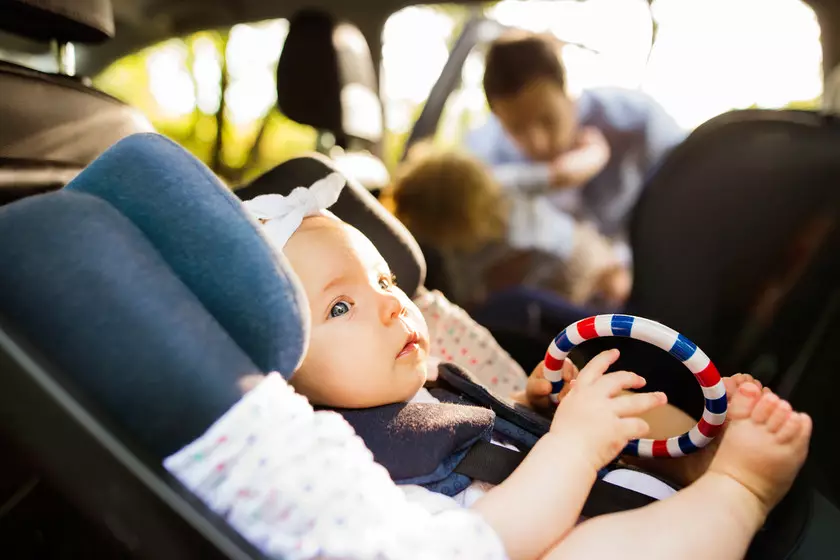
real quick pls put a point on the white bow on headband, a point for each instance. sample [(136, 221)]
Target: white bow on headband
[(282, 215)]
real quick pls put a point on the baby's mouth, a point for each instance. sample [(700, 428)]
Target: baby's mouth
[(412, 344)]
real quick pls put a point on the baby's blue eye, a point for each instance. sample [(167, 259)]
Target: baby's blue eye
[(339, 309)]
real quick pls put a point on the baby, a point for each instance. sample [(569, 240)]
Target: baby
[(369, 346), (492, 238)]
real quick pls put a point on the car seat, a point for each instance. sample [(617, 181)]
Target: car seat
[(55, 124), (117, 349), (326, 79)]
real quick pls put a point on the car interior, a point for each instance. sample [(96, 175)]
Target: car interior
[(754, 282)]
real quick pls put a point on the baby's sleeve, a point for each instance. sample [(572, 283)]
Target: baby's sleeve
[(300, 484)]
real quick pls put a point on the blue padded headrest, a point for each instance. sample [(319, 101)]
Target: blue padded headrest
[(203, 233), (85, 287)]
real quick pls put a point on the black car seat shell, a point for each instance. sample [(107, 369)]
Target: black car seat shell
[(714, 221), (713, 225), (52, 124)]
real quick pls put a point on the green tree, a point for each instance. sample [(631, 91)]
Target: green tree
[(234, 151)]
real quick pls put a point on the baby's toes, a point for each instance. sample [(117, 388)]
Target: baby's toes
[(778, 417), (732, 383), (792, 427), (807, 426), (743, 401), (765, 407), (746, 377)]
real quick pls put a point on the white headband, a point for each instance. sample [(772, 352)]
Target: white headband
[(282, 215)]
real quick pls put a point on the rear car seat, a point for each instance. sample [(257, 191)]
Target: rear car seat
[(55, 124)]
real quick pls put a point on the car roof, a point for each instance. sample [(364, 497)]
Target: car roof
[(144, 22), (140, 23)]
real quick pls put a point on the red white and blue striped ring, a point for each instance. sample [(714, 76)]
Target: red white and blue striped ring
[(697, 362)]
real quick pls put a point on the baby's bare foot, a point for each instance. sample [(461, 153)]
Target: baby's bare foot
[(686, 470), (765, 444)]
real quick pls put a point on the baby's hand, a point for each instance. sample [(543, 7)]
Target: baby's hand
[(596, 417), (538, 388)]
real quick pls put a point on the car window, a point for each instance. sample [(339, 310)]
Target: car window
[(214, 92), (708, 57), (415, 46), (715, 55)]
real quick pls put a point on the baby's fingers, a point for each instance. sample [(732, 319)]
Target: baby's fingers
[(570, 371), (596, 367), (538, 387), (539, 372), (537, 390), (616, 382), (633, 428), (634, 404)]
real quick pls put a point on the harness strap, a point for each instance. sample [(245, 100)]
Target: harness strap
[(493, 463)]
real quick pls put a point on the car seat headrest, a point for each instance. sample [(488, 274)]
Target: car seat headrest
[(357, 207), (86, 289), (203, 233), (326, 78), (72, 21)]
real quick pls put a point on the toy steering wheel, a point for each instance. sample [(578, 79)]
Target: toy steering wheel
[(697, 362)]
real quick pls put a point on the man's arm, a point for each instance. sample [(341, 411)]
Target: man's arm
[(583, 162)]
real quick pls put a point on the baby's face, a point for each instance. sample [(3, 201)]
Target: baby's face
[(369, 342)]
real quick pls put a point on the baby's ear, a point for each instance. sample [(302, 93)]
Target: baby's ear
[(249, 382)]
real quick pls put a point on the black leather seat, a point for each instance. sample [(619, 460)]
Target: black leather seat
[(719, 233), (52, 125)]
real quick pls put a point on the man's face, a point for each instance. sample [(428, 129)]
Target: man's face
[(540, 119)]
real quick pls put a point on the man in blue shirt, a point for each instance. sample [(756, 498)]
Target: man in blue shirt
[(589, 156)]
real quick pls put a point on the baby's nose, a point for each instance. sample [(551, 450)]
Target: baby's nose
[(391, 307)]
